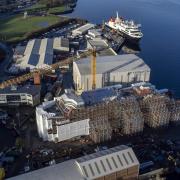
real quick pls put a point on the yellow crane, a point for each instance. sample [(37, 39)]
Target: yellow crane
[(2, 173), (36, 73), (93, 68)]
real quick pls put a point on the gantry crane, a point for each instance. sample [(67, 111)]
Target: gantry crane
[(36, 73)]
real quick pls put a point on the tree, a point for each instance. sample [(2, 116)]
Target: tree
[(2, 173), (19, 143)]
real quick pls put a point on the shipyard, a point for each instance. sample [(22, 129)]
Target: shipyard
[(77, 100)]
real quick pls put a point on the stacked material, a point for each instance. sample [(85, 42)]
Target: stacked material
[(155, 110), (100, 129), (129, 116), (175, 111)]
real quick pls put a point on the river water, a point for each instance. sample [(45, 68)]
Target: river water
[(160, 46)]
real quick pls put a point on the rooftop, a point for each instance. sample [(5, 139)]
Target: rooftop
[(20, 50), (118, 63), (95, 32), (98, 96), (84, 28), (20, 89), (89, 98), (106, 162), (61, 44), (61, 171), (101, 44), (39, 52), (88, 167)]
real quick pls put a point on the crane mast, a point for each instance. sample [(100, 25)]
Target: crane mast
[(93, 68)]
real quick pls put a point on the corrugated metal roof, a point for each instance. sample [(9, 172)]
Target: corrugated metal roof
[(84, 28), (29, 89), (33, 59), (87, 167), (107, 52), (49, 47), (56, 43), (64, 171), (118, 63), (100, 44), (42, 48), (108, 161), (35, 49), (39, 52), (48, 59), (61, 43), (98, 96), (94, 32), (64, 42), (29, 47)]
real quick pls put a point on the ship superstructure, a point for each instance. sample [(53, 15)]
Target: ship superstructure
[(128, 29)]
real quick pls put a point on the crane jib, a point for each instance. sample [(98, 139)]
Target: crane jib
[(46, 70)]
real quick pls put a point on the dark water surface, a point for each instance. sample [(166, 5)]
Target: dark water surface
[(160, 19)]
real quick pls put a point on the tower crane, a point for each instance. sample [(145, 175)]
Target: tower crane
[(93, 68)]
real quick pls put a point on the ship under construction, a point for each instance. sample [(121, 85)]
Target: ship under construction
[(101, 113)]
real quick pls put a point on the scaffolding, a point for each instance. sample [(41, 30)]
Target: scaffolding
[(125, 115), (100, 128), (175, 111), (128, 116), (121, 115), (155, 110)]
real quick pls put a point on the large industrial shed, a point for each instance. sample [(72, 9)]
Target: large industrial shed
[(110, 70), (115, 163), (40, 52)]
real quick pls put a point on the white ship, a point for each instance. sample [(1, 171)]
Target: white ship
[(128, 29)]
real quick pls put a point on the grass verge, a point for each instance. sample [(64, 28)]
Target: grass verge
[(17, 28)]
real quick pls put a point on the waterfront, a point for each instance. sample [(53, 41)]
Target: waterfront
[(160, 25)]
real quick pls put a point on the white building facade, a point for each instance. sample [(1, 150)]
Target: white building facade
[(26, 95), (53, 126), (110, 70)]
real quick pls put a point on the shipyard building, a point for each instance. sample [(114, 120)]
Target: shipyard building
[(100, 44), (110, 70), (39, 52), (115, 163), (20, 95)]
